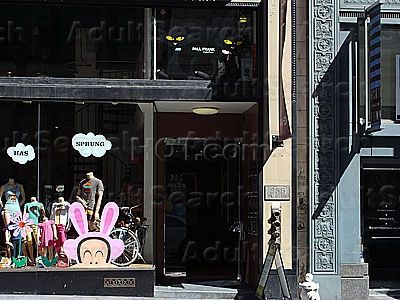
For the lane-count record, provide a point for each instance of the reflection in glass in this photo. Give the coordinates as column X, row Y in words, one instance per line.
column 71, row 41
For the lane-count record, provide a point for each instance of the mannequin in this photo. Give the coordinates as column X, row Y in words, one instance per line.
column 59, row 214
column 90, row 195
column 47, row 232
column 10, row 209
column 15, row 187
column 35, row 209
column 15, row 197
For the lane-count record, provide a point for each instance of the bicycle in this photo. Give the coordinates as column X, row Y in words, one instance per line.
column 132, row 231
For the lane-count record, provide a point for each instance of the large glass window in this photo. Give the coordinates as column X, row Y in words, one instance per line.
column 390, row 48
column 66, row 170
column 205, row 44
column 19, row 126
column 71, row 41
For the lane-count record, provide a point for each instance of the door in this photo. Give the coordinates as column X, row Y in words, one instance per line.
column 381, row 221
column 202, row 209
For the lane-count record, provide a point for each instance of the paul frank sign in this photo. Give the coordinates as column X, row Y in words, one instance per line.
column 90, row 144
column 21, row 154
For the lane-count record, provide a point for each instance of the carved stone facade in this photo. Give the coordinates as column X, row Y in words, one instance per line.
column 360, row 5
column 323, row 179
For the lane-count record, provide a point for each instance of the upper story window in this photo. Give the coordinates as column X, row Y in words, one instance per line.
column 390, row 45
column 71, row 41
column 207, row 44
column 217, row 45
column 195, row 43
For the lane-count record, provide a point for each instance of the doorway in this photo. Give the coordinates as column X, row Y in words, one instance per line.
column 202, row 209
column 381, row 221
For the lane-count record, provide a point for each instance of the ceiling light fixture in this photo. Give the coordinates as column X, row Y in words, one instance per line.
column 206, row 111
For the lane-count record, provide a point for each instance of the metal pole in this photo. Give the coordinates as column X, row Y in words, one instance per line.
column 366, row 72
column 239, row 276
column 154, row 45
column 38, row 154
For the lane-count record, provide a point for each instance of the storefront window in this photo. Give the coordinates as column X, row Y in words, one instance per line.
column 204, row 44
column 73, row 168
column 71, row 41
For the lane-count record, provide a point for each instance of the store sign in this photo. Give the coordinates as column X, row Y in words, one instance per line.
column 90, row 144
column 21, row 154
column 204, row 50
column 277, row 193
column 398, row 87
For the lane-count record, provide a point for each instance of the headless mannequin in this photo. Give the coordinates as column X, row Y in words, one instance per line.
column 60, row 204
column 59, row 214
column 47, row 251
column 38, row 211
column 15, row 196
column 11, row 184
column 92, row 212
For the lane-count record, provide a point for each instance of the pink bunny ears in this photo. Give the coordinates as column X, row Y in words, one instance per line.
column 72, row 247
column 79, row 219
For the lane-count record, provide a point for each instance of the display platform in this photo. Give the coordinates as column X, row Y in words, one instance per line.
column 130, row 281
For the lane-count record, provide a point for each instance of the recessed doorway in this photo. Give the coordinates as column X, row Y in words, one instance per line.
column 202, row 208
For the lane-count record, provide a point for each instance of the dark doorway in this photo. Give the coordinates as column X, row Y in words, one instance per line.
column 381, row 222
column 202, row 208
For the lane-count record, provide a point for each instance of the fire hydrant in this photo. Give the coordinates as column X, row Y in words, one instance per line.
column 309, row 289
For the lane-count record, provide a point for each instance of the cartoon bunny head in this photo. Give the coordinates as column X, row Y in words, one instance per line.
column 93, row 248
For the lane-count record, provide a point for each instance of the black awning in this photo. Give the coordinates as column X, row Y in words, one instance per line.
column 147, row 3
column 93, row 89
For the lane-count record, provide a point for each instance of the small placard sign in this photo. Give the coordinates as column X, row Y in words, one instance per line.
column 277, row 192
column 129, row 282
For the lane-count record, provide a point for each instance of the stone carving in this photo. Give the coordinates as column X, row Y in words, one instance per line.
column 322, row 126
column 360, row 5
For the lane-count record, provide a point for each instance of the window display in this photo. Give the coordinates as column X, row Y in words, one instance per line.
column 35, row 210
column 213, row 45
column 67, row 187
column 90, row 194
column 94, row 248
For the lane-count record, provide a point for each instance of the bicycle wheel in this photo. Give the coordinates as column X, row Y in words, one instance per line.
column 131, row 243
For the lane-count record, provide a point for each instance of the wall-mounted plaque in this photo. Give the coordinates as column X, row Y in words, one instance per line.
column 277, row 192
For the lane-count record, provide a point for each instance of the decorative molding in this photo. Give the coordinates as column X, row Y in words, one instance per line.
column 323, row 230
column 360, row 5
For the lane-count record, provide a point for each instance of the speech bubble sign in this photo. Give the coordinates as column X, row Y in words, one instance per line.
column 21, row 154
column 90, row 144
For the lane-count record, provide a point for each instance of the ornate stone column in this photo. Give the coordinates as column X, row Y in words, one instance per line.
column 323, row 31
column 323, row 228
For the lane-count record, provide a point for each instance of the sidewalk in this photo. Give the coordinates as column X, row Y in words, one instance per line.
column 384, row 294
column 183, row 291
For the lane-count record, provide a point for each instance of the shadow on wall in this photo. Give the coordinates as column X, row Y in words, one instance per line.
column 337, row 143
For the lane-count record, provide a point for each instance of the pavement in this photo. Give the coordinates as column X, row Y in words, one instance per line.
column 384, row 294
column 205, row 290
column 375, row 294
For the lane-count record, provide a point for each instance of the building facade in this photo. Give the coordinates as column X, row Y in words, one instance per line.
column 352, row 168
column 166, row 104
